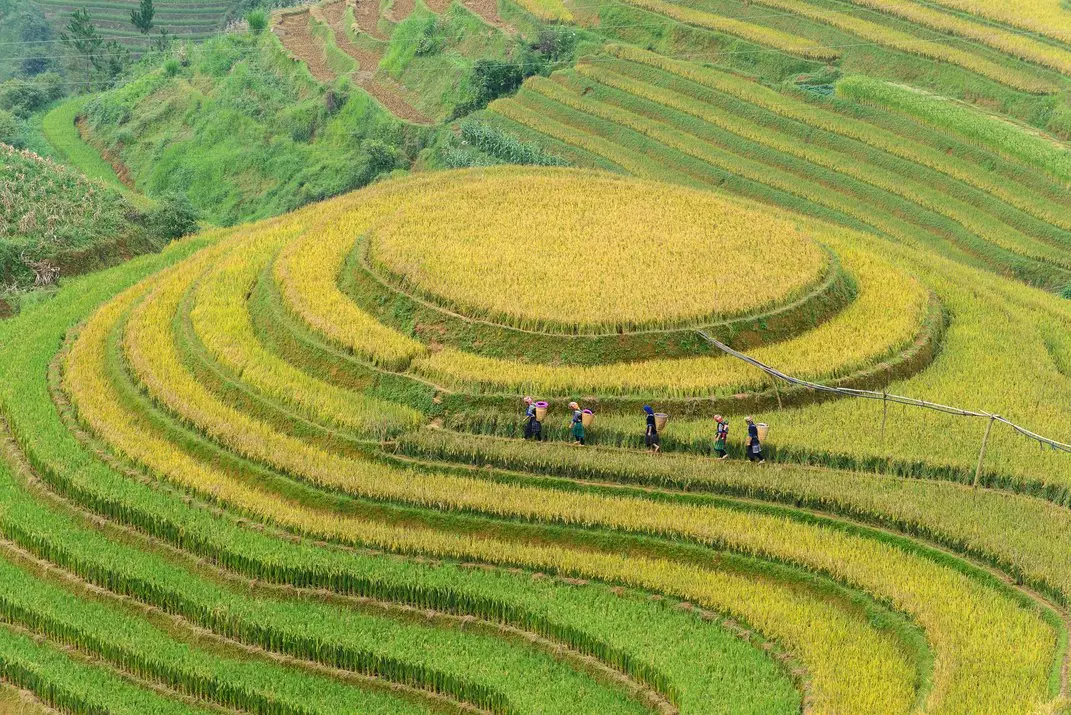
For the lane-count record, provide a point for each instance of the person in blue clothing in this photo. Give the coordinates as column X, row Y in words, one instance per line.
column 651, row 438
column 577, row 424
column 533, row 428
column 754, row 447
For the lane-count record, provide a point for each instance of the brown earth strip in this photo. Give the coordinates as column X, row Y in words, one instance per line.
column 401, row 9
column 293, row 31
column 366, row 13
column 487, row 10
column 393, row 101
column 335, row 15
column 438, row 6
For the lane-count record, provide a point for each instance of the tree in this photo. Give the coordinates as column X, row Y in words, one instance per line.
column 142, row 17
column 90, row 54
column 84, row 43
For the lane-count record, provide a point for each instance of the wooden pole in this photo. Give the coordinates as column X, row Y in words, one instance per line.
column 777, row 392
column 884, row 415
column 981, row 454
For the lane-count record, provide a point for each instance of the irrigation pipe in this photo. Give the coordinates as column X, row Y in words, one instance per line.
column 886, row 398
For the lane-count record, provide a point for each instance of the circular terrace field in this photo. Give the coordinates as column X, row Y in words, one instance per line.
column 565, row 250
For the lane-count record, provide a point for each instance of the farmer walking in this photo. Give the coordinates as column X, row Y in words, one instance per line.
column 578, row 424
column 721, row 437
column 533, row 428
column 651, row 438
column 754, row 447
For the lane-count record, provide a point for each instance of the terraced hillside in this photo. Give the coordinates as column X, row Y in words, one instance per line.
column 187, row 19
column 241, row 475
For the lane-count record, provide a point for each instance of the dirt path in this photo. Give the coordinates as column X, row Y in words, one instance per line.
column 293, row 31
column 438, row 6
column 391, row 98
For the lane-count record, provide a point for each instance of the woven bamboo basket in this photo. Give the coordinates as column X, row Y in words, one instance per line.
column 586, row 418
column 541, row 411
column 661, row 419
column 764, row 429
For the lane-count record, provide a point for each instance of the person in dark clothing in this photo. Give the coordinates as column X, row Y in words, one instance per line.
column 651, row 438
column 577, row 424
column 533, row 428
column 754, row 447
column 721, row 437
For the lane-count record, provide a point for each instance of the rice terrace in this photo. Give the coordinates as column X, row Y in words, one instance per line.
column 535, row 356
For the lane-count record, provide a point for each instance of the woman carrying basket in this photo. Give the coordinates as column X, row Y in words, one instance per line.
column 533, row 428
column 721, row 437
column 578, row 424
column 754, row 447
column 651, row 438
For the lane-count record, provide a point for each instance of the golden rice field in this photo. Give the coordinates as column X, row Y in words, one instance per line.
column 286, row 467
column 580, row 252
column 231, row 435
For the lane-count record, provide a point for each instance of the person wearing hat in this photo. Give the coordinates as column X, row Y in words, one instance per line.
column 721, row 437
column 651, row 438
column 533, row 429
column 754, row 448
column 578, row 424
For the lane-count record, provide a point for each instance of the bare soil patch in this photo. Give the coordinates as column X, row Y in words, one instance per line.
column 389, row 97
column 294, row 32
column 487, row 10
column 401, row 9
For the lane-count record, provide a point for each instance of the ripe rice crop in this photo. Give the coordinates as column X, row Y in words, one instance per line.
column 849, row 664
column 886, row 316
column 904, row 42
column 752, row 32
column 306, row 270
column 221, row 319
column 614, row 254
column 1008, row 41
column 955, row 633
column 1046, row 17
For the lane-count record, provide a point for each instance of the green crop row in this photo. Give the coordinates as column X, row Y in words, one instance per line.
column 793, row 44
column 1022, row 535
column 1019, row 189
column 749, row 105
column 993, row 133
column 1021, row 79
column 135, row 646
column 73, row 686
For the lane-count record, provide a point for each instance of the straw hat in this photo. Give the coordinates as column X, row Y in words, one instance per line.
column 749, row 418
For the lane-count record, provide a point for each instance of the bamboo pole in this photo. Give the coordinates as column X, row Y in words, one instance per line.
column 884, row 415
column 981, row 454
